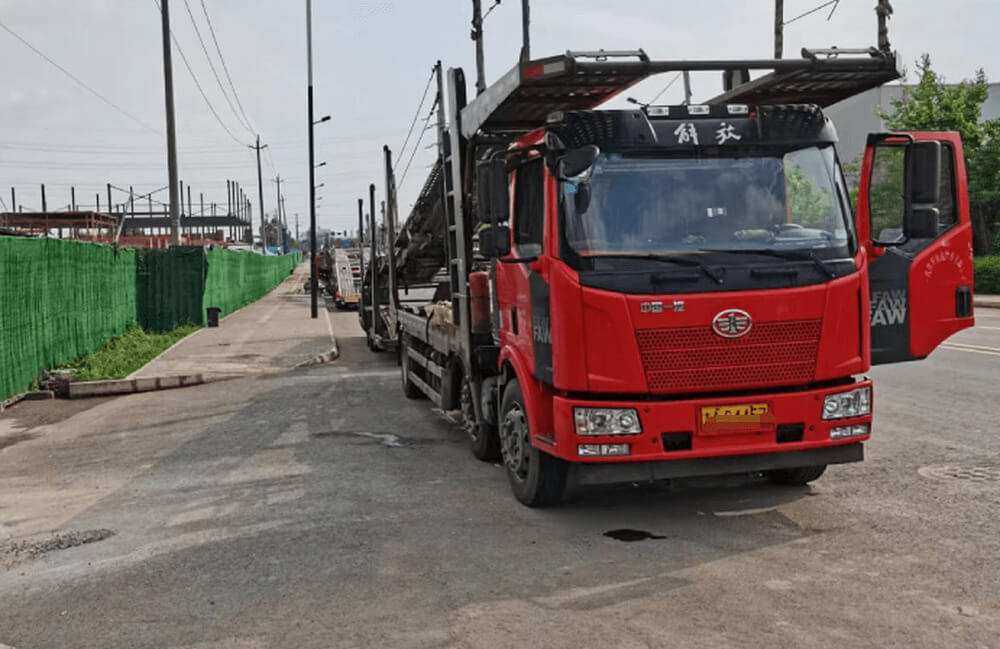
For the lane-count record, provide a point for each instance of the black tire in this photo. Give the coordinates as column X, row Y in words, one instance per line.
column 797, row 476
column 409, row 388
column 536, row 478
column 483, row 438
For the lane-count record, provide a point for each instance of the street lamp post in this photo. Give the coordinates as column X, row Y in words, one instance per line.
column 314, row 279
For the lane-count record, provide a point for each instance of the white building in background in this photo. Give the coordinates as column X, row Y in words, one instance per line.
column 855, row 118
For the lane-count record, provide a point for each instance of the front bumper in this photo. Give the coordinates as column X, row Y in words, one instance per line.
column 794, row 424
column 623, row 472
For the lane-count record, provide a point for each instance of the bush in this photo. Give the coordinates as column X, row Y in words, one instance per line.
column 988, row 275
column 125, row 354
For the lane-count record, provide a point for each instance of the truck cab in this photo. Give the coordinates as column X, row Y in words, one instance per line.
column 689, row 290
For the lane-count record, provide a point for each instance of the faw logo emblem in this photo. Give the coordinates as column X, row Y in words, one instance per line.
column 732, row 323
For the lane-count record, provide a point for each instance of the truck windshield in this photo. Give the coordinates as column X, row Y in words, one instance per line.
column 639, row 205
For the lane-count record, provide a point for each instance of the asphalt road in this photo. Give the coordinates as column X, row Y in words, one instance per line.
column 319, row 508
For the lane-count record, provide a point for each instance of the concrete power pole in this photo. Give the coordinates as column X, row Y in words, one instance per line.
column 779, row 28
column 525, row 30
column 168, row 91
column 260, row 197
column 477, row 36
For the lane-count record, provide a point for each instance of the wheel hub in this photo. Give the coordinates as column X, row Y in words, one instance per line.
column 514, row 441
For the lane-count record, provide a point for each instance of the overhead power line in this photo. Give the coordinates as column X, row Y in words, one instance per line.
column 215, row 72
column 416, row 147
column 78, row 81
column 666, row 87
column 416, row 116
column 225, row 68
column 197, row 84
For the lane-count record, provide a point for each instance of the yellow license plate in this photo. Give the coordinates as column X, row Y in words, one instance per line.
column 736, row 418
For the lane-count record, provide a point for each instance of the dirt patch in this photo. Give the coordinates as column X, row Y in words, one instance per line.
column 16, row 438
column 32, row 414
column 16, row 551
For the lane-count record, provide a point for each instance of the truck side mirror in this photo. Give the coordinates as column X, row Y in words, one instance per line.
column 921, row 222
column 494, row 242
column 923, row 190
column 492, row 191
column 578, row 161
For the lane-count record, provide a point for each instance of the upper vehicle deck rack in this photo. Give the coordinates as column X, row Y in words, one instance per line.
column 522, row 99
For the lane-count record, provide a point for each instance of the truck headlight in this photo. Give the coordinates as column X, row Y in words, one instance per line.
column 607, row 421
column 853, row 403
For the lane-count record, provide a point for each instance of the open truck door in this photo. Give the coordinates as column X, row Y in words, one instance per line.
column 913, row 219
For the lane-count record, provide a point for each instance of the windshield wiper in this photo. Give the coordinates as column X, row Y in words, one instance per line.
column 681, row 261
column 794, row 255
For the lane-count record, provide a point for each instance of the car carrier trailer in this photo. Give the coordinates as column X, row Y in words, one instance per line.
column 347, row 277
column 631, row 295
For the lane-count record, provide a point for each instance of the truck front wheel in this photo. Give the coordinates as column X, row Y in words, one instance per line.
column 536, row 478
column 798, row 476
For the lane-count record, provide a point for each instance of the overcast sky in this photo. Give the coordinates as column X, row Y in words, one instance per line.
column 372, row 60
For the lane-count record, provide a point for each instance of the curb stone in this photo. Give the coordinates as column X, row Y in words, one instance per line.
column 132, row 386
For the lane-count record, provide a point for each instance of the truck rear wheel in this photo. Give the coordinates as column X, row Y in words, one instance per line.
column 409, row 387
column 483, row 438
column 797, row 476
column 536, row 478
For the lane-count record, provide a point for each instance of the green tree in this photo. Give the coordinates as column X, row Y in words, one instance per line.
column 809, row 204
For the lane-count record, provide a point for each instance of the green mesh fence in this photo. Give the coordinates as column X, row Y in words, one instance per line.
column 235, row 279
column 59, row 300
column 168, row 287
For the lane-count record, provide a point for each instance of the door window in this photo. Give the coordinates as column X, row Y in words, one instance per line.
column 886, row 194
column 529, row 208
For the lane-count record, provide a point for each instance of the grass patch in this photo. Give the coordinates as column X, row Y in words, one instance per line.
column 988, row 274
column 124, row 354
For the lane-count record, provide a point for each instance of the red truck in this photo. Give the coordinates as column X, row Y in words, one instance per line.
column 669, row 291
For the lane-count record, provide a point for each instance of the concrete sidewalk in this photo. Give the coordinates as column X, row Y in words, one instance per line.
column 274, row 333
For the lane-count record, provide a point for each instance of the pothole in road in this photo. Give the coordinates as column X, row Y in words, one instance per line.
column 984, row 474
column 630, row 536
column 12, row 551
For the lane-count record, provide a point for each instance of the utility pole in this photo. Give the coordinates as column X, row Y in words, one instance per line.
column 168, row 87
column 884, row 10
column 525, row 31
column 477, row 36
column 779, row 28
column 281, row 242
column 314, row 280
column 361, row 238
column 390, row 219
column 373, row 259
column 260, row 196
